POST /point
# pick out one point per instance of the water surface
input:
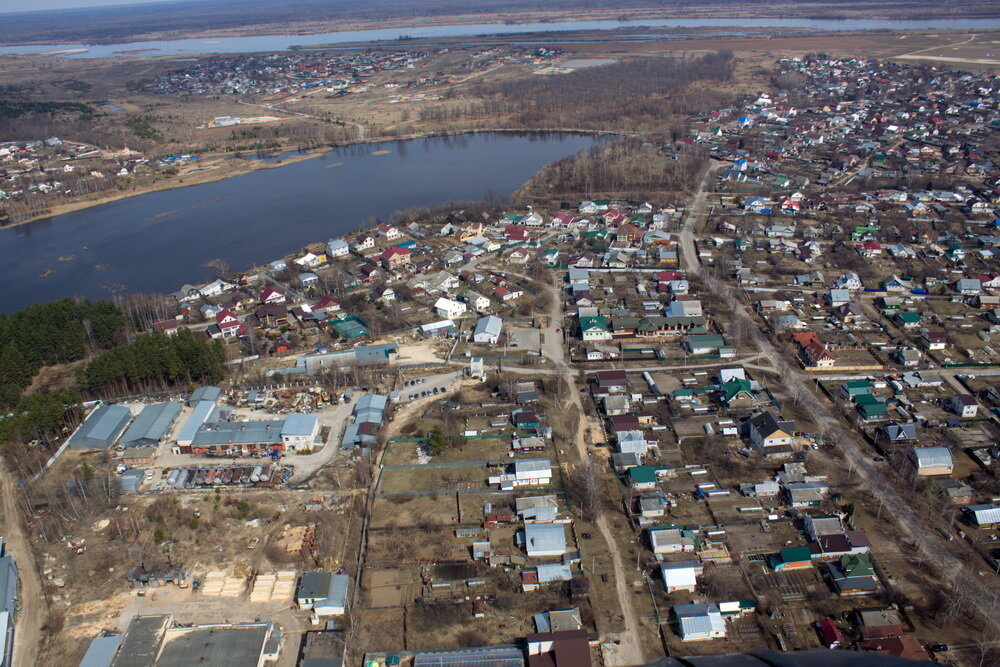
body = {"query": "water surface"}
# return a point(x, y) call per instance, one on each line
point(264, 43)
point(159, 241)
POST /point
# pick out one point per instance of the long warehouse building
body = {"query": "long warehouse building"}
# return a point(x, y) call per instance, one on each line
point(152, 425)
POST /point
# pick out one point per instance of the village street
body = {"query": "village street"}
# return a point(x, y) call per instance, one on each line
point(881, 489)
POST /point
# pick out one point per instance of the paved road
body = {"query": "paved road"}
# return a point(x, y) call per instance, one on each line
point(880, 486)
point(30, 619)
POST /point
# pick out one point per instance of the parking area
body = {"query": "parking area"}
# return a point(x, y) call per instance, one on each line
point(422, 387)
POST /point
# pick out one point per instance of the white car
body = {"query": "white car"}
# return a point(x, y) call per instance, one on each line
point(149, 474)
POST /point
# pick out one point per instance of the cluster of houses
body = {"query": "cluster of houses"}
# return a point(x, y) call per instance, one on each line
point(865, 119)
point(56, 166)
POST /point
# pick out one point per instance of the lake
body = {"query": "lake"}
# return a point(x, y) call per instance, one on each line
point(263, 43)
point(157, 242)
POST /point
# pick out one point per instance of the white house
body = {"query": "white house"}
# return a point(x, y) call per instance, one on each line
point(524, 472)
point(848, 281)
point(308, 260)
point(449, 309)
point(487, 330)
point(479, 303)
point(337, 248)
point(389, 232)
point(680, 575)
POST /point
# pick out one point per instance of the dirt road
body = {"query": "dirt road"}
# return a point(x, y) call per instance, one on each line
point(881, 490)
point(625, 648)
point(30, 619)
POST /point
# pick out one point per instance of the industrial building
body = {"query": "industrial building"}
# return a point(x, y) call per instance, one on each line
point(237, 438)
point(154, 641)
point(299, 432)
point(8, 602)
point(323, 593)
point(152, 425)
point(208, 393)
point(101, 428)
point(204, 411)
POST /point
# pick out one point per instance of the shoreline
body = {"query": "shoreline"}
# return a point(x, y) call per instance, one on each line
point(812, 11)
point(171, 183)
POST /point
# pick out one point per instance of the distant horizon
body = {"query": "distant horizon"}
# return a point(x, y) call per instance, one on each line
point(18, 6)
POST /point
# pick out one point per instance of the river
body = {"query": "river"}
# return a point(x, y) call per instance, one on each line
point(265, 43)
point(156, 242)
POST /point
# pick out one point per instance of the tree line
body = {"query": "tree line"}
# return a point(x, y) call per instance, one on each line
point(153, 361)
point(625, 96)
point(626, 167)
point(51, 333)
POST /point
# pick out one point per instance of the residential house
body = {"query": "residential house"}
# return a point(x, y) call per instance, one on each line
point(680, 575)
point(963, 405)
point(698, 622)
point(770, 435)
point(271, 295)
point(395, 258)
point(672, 539)
point(933, 340)
point(792, 558)
point(609, 382)
point(337, 248)
point(449, 309)
point(545, 540)
point(506, 293)
point(930, 461)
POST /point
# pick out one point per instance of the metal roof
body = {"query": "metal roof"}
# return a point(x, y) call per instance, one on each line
point(487, 326)
point(152, 424)
point(101, 428)
point(101, 651)
point(238, 433)
point(550, 572)
point(208, 393)
point(532, 465)
point(298, 424)
point(540, 537)
point(985, 514)
point(201, 413)
point(8, 584)
point(932, 457)
point(699, 618)
point(487, 656)
point(324, 586)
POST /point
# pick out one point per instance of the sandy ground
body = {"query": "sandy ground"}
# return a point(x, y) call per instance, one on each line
point(30, 619)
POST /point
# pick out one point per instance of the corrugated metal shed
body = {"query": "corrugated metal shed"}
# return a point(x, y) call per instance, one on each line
point(200, 394)
point(201, 413)
point(101, 651)
point(152, 425)
point(487, 656)
point(130, 480)
point(985, 515)
point(101, 428)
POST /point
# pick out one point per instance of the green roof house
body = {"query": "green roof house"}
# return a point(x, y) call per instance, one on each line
point(792, 558)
